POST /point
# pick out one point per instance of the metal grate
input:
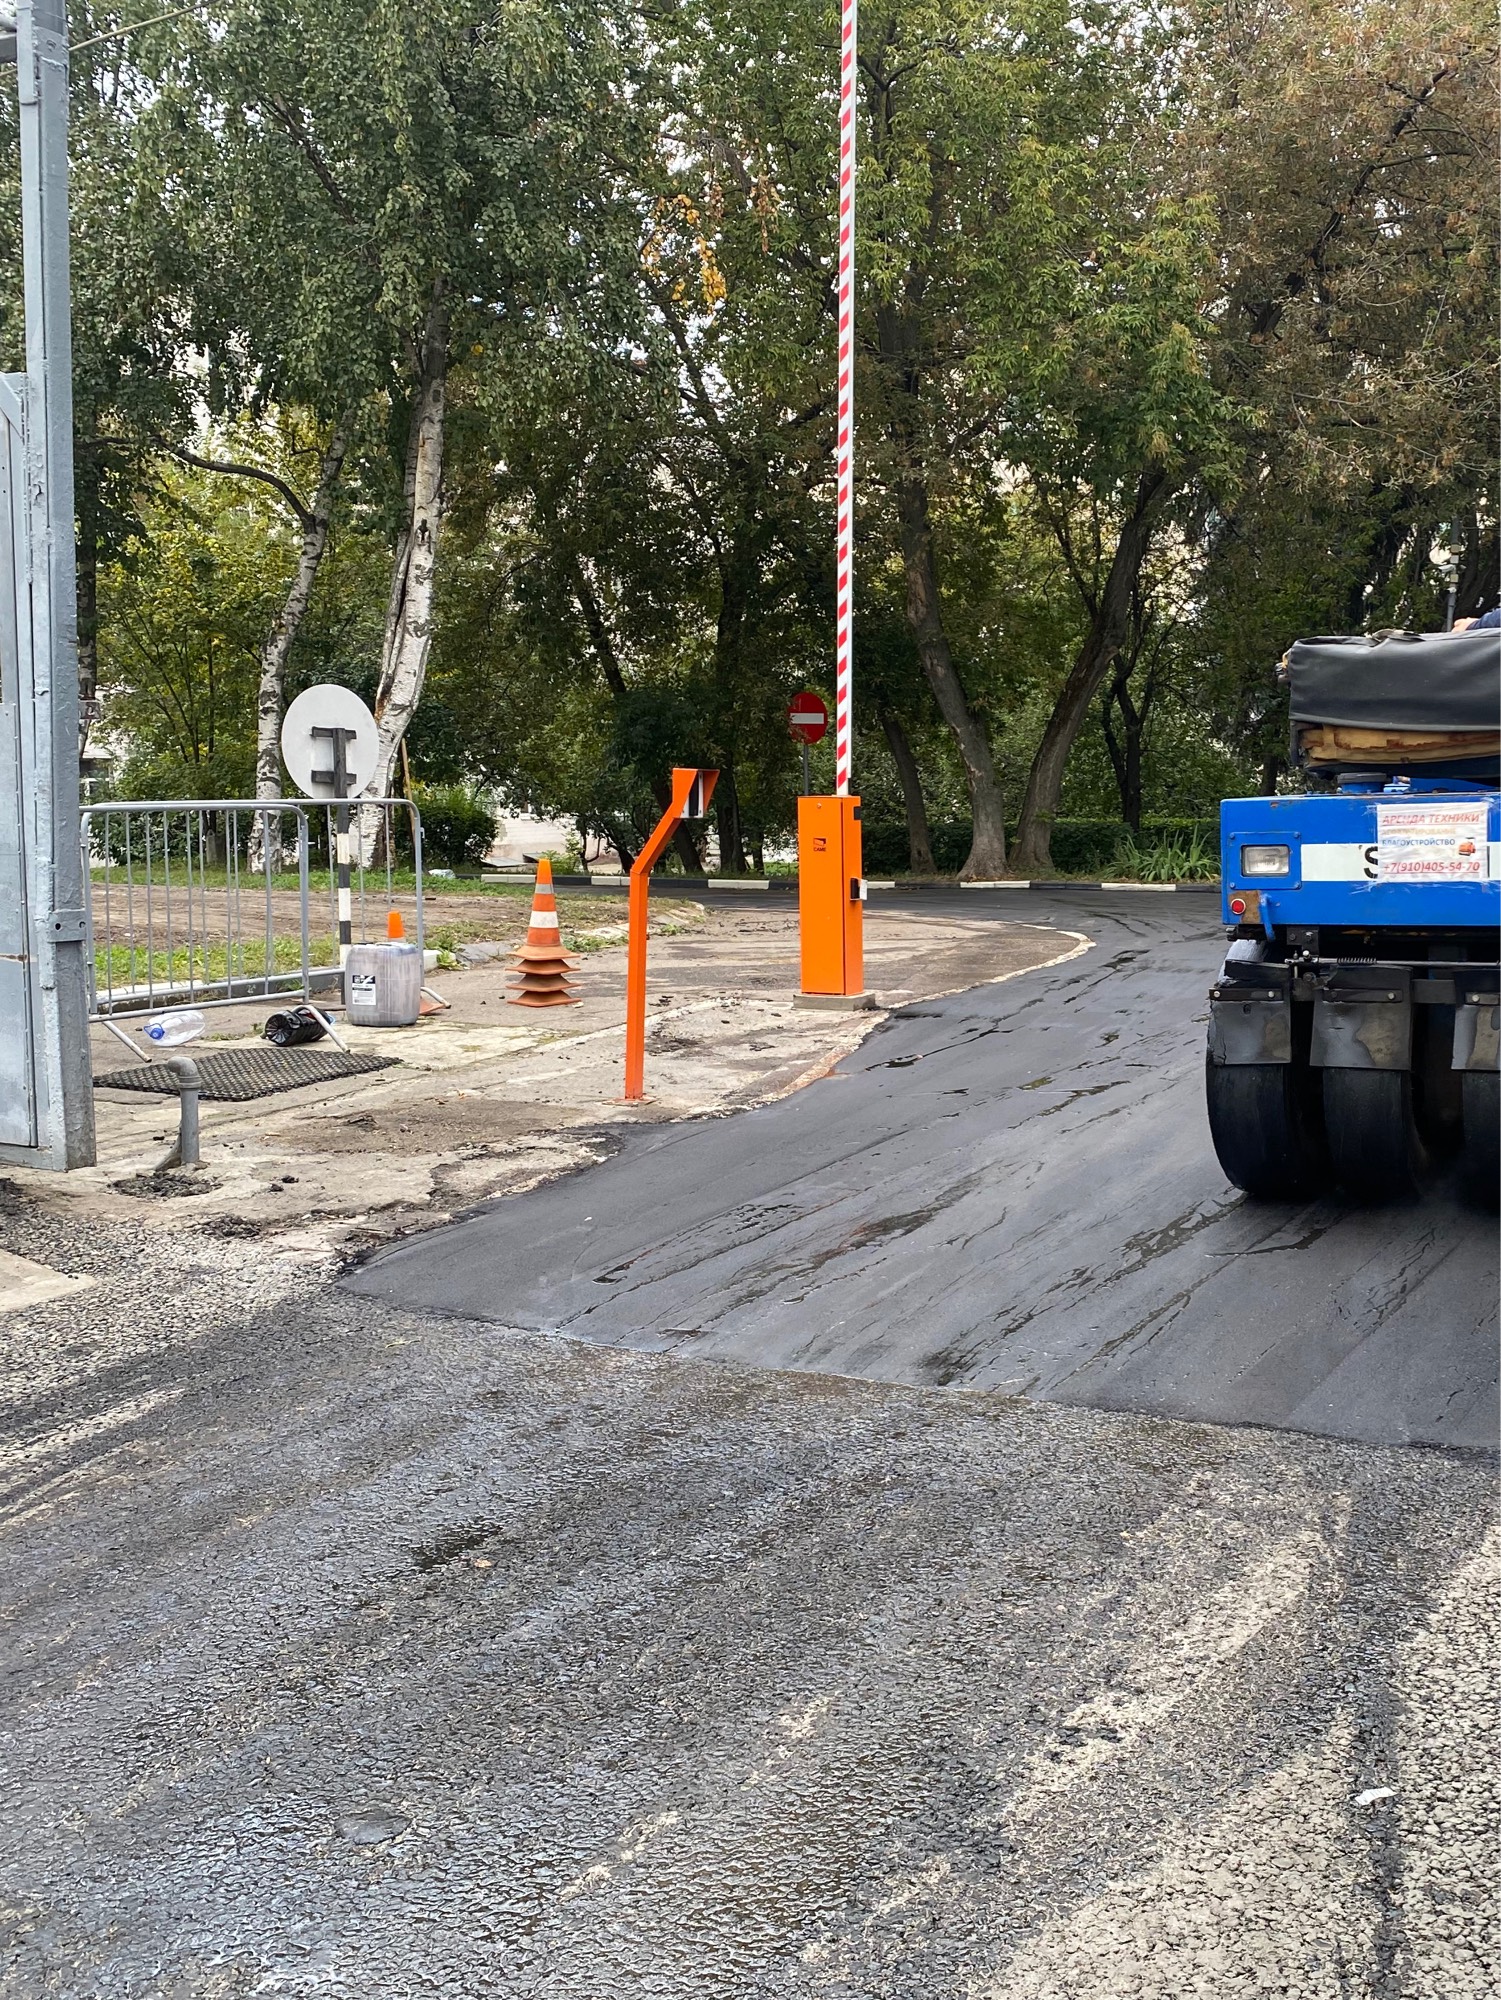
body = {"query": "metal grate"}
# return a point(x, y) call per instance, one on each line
point(234, 1076)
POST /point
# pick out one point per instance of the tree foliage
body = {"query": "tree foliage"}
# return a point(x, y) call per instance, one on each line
point(1175, 340)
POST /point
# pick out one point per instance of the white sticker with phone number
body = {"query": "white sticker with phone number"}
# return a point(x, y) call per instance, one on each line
point(1431, 843)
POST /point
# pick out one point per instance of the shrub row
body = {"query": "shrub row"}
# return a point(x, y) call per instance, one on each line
point(458, 829)
point(1080, 846)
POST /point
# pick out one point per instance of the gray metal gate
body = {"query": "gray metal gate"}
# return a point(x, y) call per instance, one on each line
point(18, 1105)
point(46, 1112)
point(46, 1099)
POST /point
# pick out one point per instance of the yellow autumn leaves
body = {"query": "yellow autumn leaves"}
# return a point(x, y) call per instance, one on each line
point(678, 236)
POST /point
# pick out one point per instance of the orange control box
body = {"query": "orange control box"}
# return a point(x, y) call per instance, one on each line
point(831, 895)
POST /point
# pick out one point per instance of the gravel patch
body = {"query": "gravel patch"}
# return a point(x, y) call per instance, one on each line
point(351, 1651)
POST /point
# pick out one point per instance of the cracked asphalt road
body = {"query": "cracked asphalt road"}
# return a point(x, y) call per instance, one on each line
point(1011, 1189)
point(352, 1648)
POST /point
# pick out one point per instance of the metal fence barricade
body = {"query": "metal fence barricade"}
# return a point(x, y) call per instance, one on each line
point(183, 912)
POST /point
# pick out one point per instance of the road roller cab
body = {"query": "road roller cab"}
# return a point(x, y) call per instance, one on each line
point(1353, 1028)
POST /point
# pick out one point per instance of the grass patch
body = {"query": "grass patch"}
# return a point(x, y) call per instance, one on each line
point(1178, 858)
point(403, 881)
point(590, 924)
point(209, 964)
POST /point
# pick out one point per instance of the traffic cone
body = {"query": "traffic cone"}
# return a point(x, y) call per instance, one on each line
point(541, 976)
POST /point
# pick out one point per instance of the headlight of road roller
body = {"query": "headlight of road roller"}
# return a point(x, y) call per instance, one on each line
point(1265, 860)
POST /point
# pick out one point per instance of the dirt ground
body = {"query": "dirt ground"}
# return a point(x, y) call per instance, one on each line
point(489, 1098)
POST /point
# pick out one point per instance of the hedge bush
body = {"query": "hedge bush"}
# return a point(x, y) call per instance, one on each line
point(458, 828)
point(1080, 846)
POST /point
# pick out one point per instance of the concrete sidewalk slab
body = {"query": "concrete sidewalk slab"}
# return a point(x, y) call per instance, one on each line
point(23, 1283)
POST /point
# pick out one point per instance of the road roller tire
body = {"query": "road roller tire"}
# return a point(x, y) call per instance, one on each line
point(1374, 1146)
point(1264, 1120)
point(1436, 1082)
point(1482, 1135)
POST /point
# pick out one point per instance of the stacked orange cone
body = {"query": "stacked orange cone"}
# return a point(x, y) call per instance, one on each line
point(541, 976)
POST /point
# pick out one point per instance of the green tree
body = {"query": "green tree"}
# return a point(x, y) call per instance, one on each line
point(434, 173)
point(182, 617)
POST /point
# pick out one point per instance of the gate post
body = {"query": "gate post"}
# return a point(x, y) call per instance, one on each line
point(49, 797)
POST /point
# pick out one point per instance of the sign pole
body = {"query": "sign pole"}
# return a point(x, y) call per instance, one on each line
point(844, 447)
point(692, 791)
point(330, 719)
point(338, 780)
point(808, 719)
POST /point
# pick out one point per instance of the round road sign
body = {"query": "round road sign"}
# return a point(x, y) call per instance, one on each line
point(321, 725)
point(808, 717)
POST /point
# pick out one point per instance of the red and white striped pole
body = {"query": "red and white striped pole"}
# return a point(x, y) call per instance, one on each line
point(844, 446)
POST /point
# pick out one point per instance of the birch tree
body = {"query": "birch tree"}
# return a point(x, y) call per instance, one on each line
point(314, 518)
point(440, 164)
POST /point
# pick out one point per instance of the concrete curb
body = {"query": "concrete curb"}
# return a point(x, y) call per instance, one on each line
point(839, 1003)
point(1133, 888)
point(787, 885)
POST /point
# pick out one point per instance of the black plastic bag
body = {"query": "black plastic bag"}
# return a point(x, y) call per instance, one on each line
point(294, 1025)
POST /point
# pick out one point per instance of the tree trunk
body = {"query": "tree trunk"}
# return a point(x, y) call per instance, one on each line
point(919, 838)
point(739, 570)
point(609, 666)
point(1125, 756)
point(1032, 853)
point(1133, 771)
point(1477, 569)
point(987, 854)
point(279, 640)
point(727, 819)
point(409, 614)
point(898, 347)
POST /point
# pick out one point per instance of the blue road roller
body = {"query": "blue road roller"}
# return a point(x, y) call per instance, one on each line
point(1353, 1041)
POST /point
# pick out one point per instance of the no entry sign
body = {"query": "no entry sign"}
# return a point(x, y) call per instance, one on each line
point(807, 717)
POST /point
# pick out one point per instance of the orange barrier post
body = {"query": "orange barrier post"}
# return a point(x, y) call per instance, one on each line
point(831, 886)
point(831, 897)
point(691, 793)
point(541, 975)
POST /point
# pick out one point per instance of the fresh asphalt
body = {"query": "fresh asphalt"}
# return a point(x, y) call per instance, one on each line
point(1009, 1189)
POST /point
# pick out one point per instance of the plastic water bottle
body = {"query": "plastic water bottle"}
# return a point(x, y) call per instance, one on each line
point(179, 1024)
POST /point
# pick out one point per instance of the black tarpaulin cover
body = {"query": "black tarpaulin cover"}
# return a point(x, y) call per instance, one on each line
point(1428, 680)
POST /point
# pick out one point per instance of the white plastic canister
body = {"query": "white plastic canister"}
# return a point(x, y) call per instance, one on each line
point(382, 985)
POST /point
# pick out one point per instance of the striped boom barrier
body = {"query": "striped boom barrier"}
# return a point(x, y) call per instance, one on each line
point(831, 887)
point(844, 448)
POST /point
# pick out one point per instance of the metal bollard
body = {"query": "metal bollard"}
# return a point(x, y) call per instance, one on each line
point(189, 1084)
